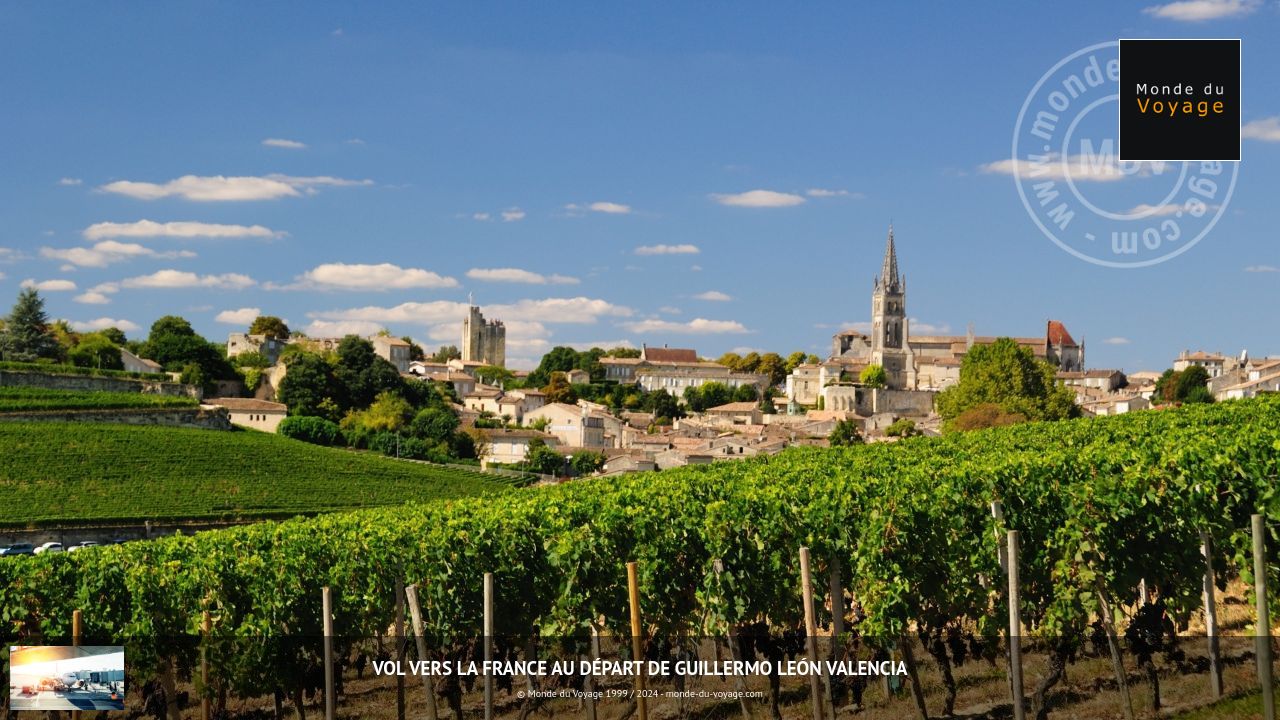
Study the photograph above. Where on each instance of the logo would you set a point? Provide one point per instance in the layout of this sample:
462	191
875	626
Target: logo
1067	168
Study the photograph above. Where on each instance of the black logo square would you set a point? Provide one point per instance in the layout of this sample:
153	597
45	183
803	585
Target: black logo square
1179	100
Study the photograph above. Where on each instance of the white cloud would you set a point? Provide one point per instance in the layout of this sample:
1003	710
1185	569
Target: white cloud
1116	341
713	296
219	188
180	279
1267	129
283	143
758	199
243	316
341	328
825	193
103	323
667	250
516	275
512	214
697	326
49	285
610	207
1080	168
915	327
384	276
575	310
602	344
70	181
107	252
150	228
1262	269
354	141
92	297
1197	10
668	309
9	255
481	216
1162	210
2	276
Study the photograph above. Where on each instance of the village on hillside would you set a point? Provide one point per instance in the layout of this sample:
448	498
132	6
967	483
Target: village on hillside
609	411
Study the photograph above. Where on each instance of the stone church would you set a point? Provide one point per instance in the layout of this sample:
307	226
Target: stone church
913	362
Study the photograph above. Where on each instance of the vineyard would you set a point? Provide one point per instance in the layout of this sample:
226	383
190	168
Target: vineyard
62	473
1102	506
76	370
25	399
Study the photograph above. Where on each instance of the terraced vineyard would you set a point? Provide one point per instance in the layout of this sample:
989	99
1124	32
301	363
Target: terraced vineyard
69	473
25	399
1101	506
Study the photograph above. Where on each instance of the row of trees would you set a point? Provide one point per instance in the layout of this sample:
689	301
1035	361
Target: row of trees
770	363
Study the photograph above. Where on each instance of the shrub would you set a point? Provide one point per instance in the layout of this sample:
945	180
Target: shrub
315	430
902	428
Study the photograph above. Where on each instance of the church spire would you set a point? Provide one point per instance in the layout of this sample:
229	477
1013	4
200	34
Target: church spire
889	278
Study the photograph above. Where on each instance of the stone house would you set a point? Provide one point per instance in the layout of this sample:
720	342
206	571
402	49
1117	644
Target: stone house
247	412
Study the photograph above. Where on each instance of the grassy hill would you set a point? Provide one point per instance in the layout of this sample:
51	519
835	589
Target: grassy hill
65	473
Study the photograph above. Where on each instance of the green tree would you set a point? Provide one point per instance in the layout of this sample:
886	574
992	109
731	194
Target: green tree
1192	386
709	395
1010	377
586	462
985	415
27	335
445	354
795	360
66	336
175	345
774	366
311	388
388	413
663	405
434	423
745	393
558	359
845	433
115	335
364	374
493	375
542	459
416	353
558	390
269	325
251	359
95	350
873	376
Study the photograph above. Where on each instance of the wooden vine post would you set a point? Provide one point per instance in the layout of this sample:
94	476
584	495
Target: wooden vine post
428	680
637	639
835	594
1113	643
77	637
330	699
1211	616
1263	630
488	645
811	633
1015	628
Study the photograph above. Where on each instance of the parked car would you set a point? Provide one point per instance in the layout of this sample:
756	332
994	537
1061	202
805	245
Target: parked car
18	549
82	545
49	547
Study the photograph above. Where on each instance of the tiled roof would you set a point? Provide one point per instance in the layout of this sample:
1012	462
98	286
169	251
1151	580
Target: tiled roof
247	404
1058	334
663	354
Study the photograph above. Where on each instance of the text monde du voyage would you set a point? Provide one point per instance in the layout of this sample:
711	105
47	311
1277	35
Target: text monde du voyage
1178	100
631	668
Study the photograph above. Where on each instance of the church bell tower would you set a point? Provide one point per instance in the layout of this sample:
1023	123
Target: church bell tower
889	348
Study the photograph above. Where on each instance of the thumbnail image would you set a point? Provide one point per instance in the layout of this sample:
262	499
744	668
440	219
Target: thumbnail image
89	677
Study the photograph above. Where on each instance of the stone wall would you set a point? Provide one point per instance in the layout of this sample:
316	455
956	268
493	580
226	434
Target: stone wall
902	402
89	383
203	417
105	532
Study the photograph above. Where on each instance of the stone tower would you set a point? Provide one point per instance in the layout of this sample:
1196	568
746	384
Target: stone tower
483	340
889	347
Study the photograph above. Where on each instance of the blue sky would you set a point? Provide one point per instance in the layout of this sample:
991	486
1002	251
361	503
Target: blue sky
584	171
